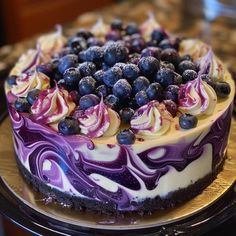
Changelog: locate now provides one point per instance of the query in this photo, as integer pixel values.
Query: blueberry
(166, 64)
(222, 89)
(94, 54)
(115, 52)
(141, 83)
(11, 80)
(170, 55)
(126, 137)
(66, 62)
(172, 93)
(88, 101)
(64, 51)
(208, 80)
(47, 69)
(132, 28)
(186, 65)
(189, 75)
(165, 43)
(141, 98)
(178, 79)
(186, 58)
(99, 75)
(126, 114)
(32, 96)
(113, 35)
(112, 101)
(71, 75)
(158, 35)
(57, 76)
(112, 75)
(121, 65)
(155, 92)
(171, 107)
(87, 85)
(165, 77)
(68, 126)
(87, 68)
(75, 96)
(117, 24)
(77, 44)
(86, 34)
(122, 89)
(94, 42)
(82, 56)
(134, 58)
(137, 44)
(102, 91)
(188, 121)
(151, 51)
(148, 66)
(130, 72)
(22, 105)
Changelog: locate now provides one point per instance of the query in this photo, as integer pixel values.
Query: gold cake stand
(22, 204)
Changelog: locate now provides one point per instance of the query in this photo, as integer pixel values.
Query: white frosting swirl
(52, 43)
(52, 105)
(197, 98)
(100, 29)
(210, 64)
(26, 62)
(99, 121)
(148, 26)
(151, 120)
(194, 47)
(28, 81)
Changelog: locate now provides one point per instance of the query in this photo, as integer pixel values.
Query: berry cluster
(126, 71)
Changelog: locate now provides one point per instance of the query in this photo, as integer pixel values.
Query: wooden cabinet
(24, 18)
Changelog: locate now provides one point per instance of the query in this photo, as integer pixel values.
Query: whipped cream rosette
(52, 43)
(151, 120)
(26, 62)
(100, 29)
(52, 105)
(99, 120)
(197, 98)
(210, 64)
(29, 81)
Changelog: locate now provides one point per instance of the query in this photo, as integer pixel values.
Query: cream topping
(210, 64)
(99, 121)
(197, 98)
(26, 62)
(151, 120)
(148, 26)
(52, 43)
(100, 29)
(52, 105)
(28, 81)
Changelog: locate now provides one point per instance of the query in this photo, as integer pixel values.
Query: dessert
(121, 118)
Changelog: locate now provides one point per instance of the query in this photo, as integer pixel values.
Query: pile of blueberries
(126, 72)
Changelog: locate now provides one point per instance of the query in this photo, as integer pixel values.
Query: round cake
(120, 118)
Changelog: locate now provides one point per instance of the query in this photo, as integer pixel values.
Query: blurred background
(21, 21)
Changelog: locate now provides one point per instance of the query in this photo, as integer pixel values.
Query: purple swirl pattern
(67, 162)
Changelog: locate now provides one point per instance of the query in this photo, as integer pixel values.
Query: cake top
(127, 81)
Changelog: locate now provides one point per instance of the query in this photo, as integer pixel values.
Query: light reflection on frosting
(28, 81)
(210, 64)
(197, 98)
(52, 105)
(99, 121)
(151, 120)
(52, 43)
(26, 62)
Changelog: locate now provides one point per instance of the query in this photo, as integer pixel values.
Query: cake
(120, 118)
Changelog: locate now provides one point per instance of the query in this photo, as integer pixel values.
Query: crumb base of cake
(147, 206)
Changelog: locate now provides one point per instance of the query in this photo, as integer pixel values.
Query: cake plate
(33, 212)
